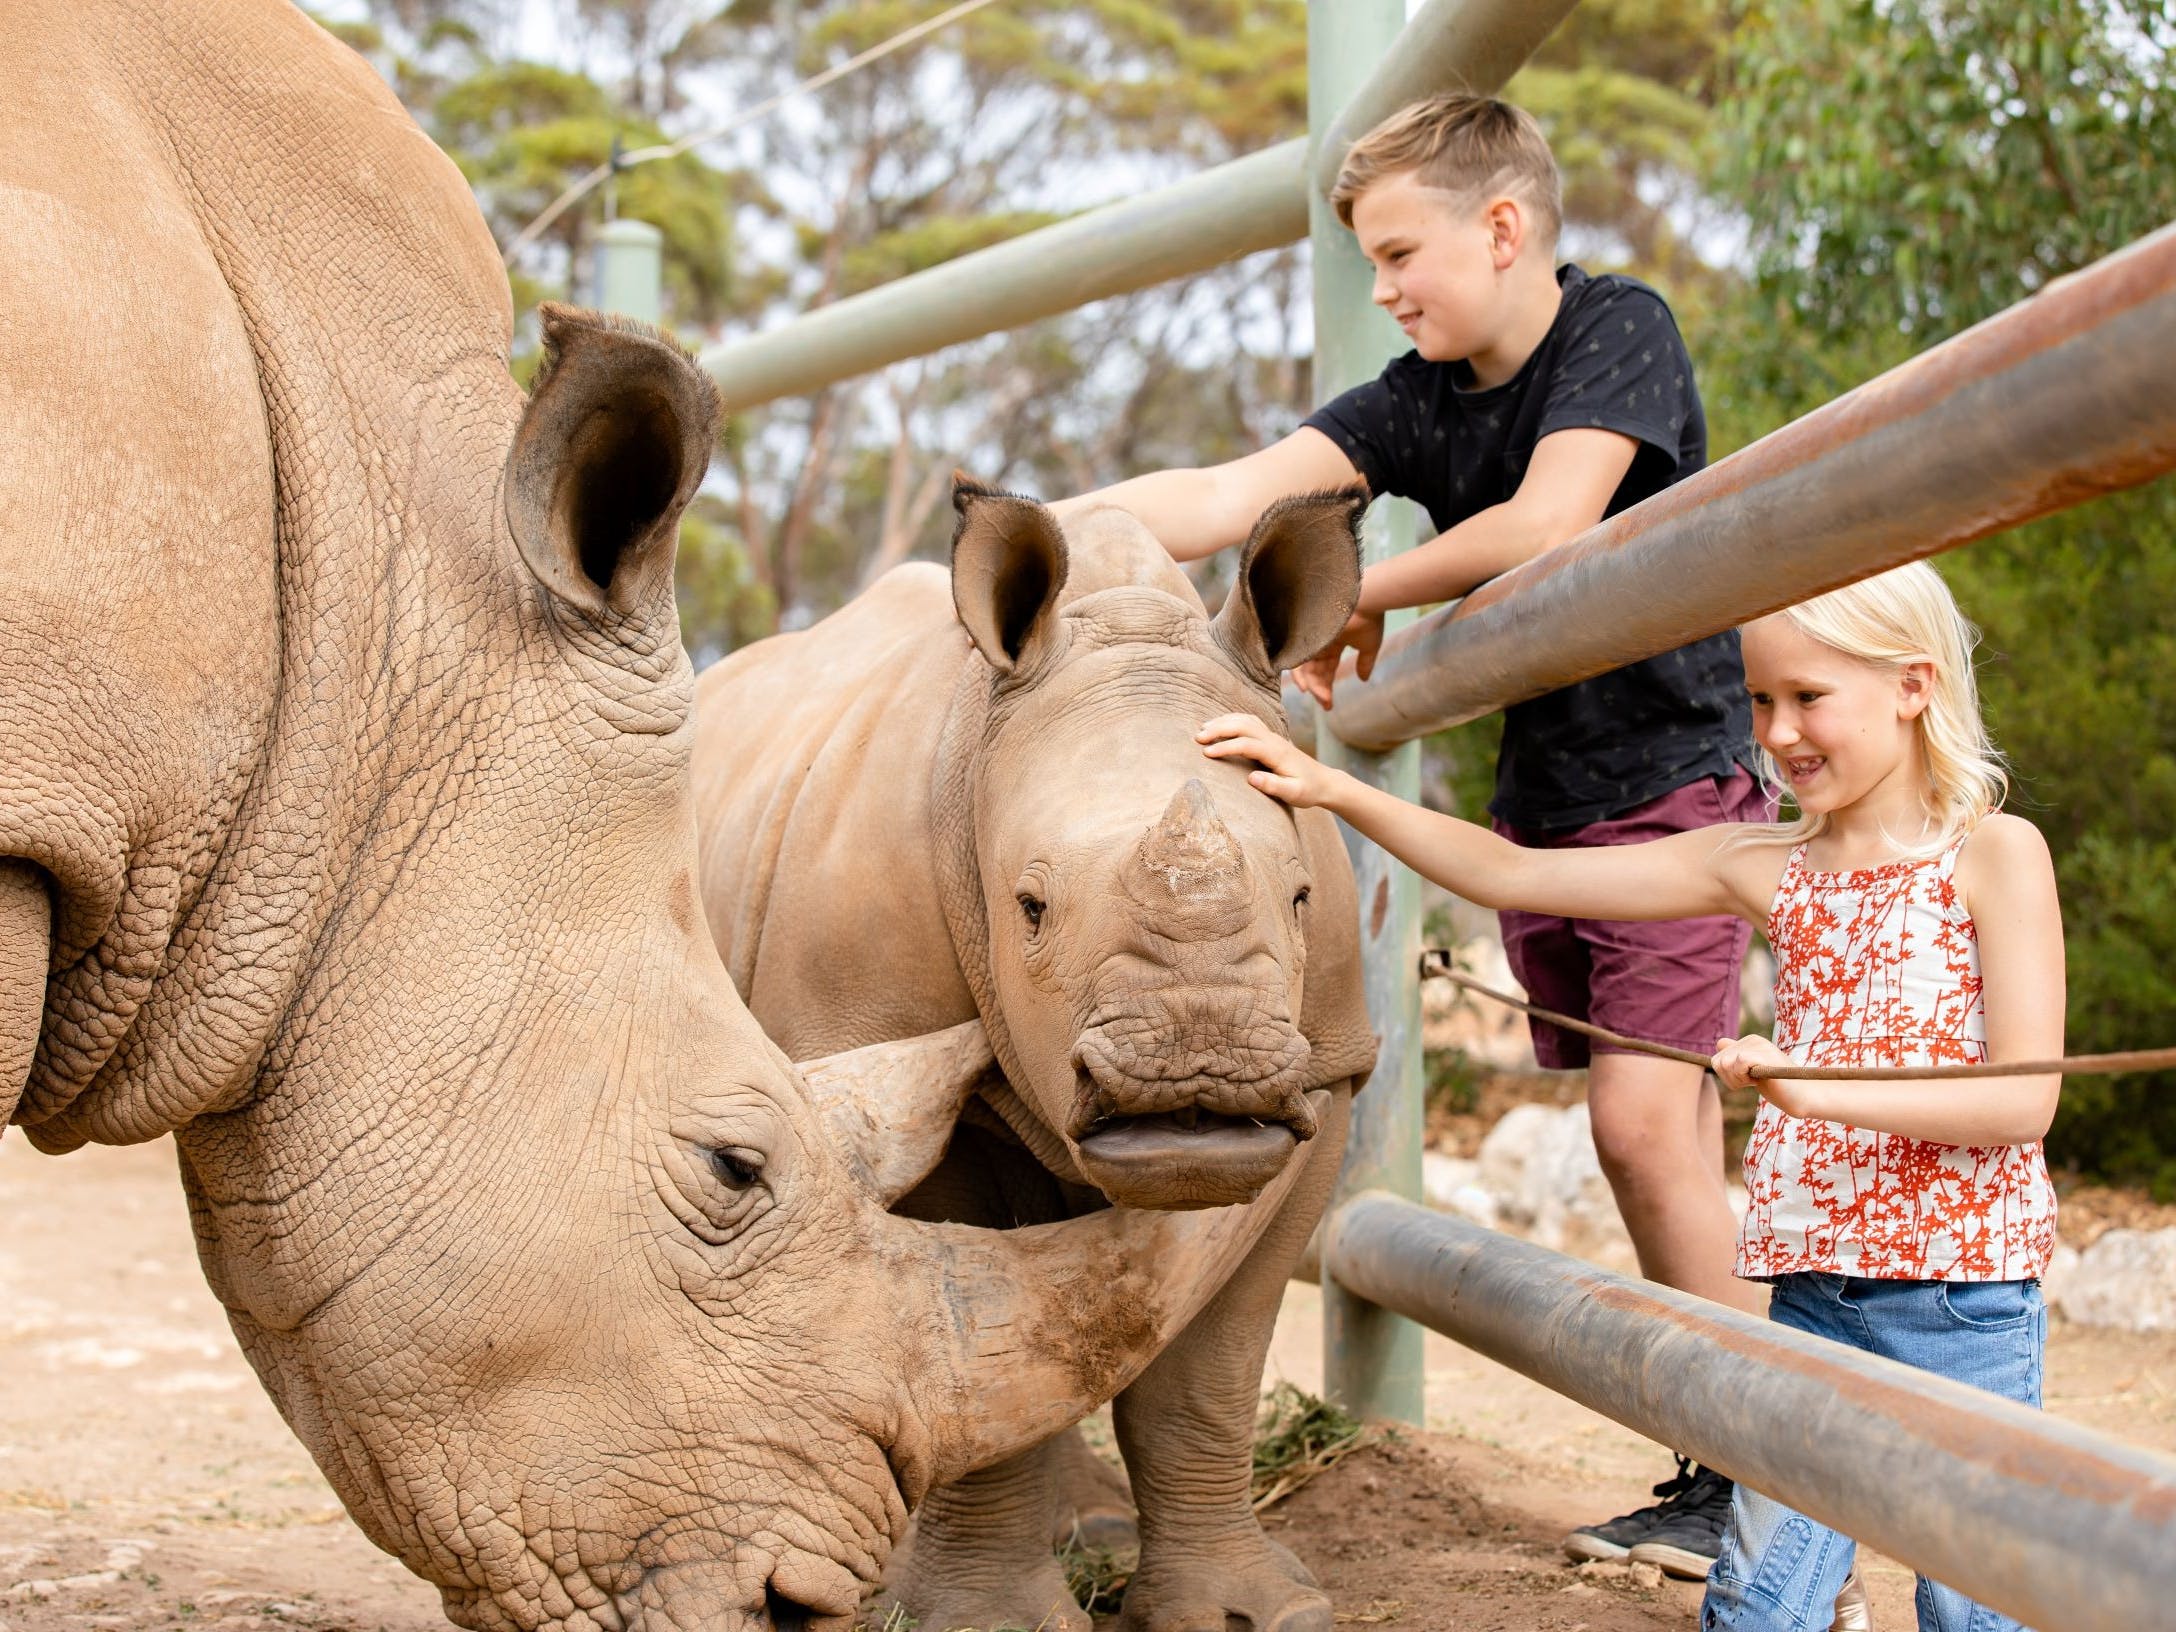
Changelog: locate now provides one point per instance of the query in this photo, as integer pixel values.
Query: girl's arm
(1681, 876)
(2008, 882)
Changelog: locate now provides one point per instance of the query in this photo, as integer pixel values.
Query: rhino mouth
(1165, 1127)
(1184, 1158)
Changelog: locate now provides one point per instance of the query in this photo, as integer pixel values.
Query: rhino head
(586, 1301)
(1139, 922)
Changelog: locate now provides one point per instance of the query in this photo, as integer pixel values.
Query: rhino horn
(891, 1107)
(1189, 857)
(1034, 1328)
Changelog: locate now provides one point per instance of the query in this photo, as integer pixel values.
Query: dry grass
(1379, 1612)
(1097, 1575)
(1297, 1439)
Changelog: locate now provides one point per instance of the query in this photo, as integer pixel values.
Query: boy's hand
(1287, 773)
(1363, 632)
(1735, 1056)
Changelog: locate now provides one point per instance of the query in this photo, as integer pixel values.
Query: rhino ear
(614, 442)
(1299, 579)
(1008, 565)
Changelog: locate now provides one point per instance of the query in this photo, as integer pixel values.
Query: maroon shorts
(1669, 981)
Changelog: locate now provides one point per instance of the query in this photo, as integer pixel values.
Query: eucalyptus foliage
(1907, 168)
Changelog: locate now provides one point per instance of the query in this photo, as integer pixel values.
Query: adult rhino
(346, 834)
(979, 796)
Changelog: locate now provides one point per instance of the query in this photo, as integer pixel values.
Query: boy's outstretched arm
(1567, 487)
(1194, 513)
(1687, 875)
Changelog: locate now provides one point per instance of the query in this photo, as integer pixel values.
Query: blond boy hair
(1467, 145)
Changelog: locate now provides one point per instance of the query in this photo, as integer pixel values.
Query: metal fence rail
(1255, 203)
(2060, 1527)
(2062, 397)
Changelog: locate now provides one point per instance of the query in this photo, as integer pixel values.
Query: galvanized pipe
(630, 269)
(2058, 1526)
(1255, 203)
(2061, 398)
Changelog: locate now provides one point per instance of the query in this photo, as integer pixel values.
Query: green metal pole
(1371, 1358)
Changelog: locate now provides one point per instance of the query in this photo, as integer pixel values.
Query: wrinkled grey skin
(982, 797)
(346, 833)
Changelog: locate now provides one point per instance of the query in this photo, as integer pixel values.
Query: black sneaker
(1686, 1539)
(1615, 1538)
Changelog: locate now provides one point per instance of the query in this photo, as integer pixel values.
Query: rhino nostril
(810, 1594)
(782, 1614)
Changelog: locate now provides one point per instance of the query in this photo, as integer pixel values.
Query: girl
(1912, 925)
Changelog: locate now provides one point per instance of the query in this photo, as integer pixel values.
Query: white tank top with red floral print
(1881, 966)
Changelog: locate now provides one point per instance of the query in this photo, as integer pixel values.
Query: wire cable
(672, 150)
(1435, 964)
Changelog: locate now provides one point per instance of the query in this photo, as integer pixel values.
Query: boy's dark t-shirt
(1613, 358)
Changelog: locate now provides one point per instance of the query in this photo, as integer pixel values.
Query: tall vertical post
(1371, 1358)
(630, 269)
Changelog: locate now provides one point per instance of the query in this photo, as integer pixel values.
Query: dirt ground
(146, 1483)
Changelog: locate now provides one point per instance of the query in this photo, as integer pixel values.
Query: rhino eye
(1299, 897)
(737, 1169)
(1031, 908)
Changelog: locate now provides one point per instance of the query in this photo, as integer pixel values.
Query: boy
(1536, 401)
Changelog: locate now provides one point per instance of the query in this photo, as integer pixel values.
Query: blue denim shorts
(1779, 1570)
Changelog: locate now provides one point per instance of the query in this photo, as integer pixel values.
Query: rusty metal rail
(2063, 1528)
(2063, 397)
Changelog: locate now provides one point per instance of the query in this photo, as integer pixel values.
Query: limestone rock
(1452, 1184)
(1538, 1163)
(2126, 1279)
(2062, 1266)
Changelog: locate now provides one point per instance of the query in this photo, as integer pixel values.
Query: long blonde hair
(1908, 615)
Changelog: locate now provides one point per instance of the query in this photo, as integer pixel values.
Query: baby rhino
(980, 797)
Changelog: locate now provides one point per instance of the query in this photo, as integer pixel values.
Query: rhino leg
(1186, 1427)
(980, 1553)
(1095, 1505)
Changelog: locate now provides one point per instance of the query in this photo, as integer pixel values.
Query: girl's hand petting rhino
(1288, 773)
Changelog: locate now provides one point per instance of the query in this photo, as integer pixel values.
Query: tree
(521, 131)
(1623, 90)
(1907, 168)
(986, 130)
